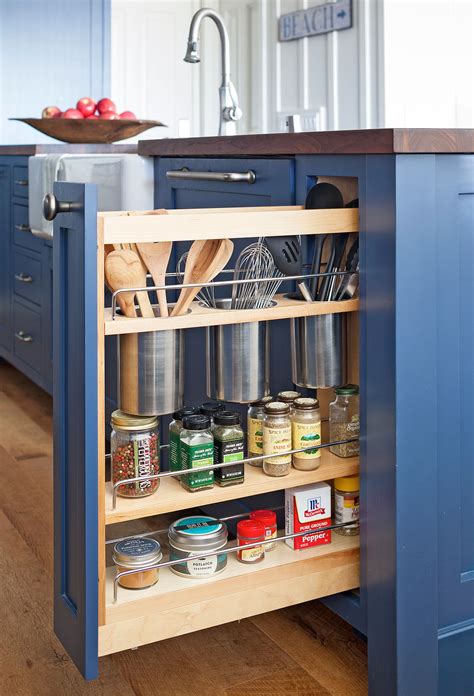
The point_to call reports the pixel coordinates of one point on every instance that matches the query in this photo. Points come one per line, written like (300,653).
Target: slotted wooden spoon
(123,269)
(206,259)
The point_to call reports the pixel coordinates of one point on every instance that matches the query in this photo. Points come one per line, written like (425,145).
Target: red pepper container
(250,532)
(269,519)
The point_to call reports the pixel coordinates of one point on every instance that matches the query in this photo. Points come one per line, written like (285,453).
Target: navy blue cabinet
(5,303)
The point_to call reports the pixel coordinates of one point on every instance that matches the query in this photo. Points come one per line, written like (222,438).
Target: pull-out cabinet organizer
(175,605)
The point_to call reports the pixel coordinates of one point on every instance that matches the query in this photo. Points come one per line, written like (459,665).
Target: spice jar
(190,536)
(255,428)
(136,553)
(175,429)
(197,450)
(288,397)
(277,438)
(346,504)
(344,420)
(269,520)
(305,431)
(250,532)
(228,447)
(210,408)
(134,447)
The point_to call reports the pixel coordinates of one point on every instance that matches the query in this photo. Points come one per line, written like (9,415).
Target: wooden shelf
(171,496)
(177,605)
(202,316)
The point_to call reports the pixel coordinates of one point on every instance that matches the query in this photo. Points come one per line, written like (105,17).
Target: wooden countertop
(374,141)
(64,148)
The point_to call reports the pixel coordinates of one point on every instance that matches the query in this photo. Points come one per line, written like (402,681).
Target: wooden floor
(300,650)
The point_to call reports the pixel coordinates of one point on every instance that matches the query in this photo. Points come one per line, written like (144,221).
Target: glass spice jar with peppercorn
(134,446)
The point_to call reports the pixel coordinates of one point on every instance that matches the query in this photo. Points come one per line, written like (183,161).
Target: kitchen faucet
(230,111)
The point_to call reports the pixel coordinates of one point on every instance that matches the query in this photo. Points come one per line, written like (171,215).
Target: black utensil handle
(326,283)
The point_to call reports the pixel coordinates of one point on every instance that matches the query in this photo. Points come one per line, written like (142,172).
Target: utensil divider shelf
(176,605)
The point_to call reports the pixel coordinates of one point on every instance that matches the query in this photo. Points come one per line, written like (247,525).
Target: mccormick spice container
(269,520)
(305,431)
(210,408)
(197,450)
(346,504)
(190,536)
(250,532)
(344,420)
(137,553)
(134,446)
(175,429)
(228,447)
(288,397)
(277,438)
(255,428)
(308,509)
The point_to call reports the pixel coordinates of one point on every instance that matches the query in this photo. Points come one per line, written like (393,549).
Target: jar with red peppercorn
(134,445)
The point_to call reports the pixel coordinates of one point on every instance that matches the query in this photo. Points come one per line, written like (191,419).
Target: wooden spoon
(156,256)
(206,259)
(123,269)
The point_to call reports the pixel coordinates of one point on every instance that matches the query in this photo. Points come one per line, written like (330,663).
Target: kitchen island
(413,359)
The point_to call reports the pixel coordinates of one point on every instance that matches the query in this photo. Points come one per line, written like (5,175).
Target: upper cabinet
(61,49)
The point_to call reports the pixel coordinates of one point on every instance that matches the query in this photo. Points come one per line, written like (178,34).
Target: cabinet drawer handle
(22,228)
(229,177)
(23,278)
(22,336)
(21,182)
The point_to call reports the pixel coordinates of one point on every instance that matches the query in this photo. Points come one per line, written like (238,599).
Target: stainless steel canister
(151,372)
(317,351)
(237,360)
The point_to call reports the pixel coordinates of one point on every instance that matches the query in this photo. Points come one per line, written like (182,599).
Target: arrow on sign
(341,14)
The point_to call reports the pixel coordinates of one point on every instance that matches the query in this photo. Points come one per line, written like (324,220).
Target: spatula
(156,256)
(123,269)
(206,259)
(286,252)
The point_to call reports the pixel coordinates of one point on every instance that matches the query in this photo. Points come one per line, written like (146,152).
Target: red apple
(128,114)
(105,105)
(86,106)
(51,112)
(72,113)
(92,116)
(109,116)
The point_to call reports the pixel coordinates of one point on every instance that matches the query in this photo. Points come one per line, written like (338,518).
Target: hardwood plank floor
(299,650)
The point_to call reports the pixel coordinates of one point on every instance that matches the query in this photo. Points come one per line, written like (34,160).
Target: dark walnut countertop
(64,148)
(353,142)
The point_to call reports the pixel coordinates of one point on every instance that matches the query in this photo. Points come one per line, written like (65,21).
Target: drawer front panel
(27,277)
(21,229)
(20,182)
(27,336)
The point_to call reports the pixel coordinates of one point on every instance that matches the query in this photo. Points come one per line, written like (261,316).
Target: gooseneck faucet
(230,111)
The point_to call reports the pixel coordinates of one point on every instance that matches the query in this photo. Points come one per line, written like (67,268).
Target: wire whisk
(254,263)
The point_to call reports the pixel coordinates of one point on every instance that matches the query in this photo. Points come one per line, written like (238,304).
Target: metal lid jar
(134,448)
(344,420)
(196,534)
(288,397)
(137,553)
(255,428)
(277,439)
(305,431)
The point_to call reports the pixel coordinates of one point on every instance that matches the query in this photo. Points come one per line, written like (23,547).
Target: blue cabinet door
(75,427)
(273,185)
(5,271)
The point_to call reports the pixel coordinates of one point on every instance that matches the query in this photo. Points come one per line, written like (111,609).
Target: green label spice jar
(197,451)
(228,447)
(255,428)
(344,420)
(175,429)
(305,431)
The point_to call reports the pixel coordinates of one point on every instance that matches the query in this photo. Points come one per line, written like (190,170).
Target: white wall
(429,63)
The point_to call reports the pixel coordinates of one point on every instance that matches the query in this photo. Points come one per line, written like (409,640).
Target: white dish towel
(42,172)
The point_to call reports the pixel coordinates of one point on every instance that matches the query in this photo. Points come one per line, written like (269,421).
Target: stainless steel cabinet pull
(22,228)
(21,182)
(22,336)
(229,177)
(51,206)
(23,278)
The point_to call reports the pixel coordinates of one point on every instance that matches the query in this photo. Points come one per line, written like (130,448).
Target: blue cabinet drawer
(20,182)
(27,336)
(22,231)
(27,277)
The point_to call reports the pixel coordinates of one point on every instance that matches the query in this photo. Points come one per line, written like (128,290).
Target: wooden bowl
(80,130)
